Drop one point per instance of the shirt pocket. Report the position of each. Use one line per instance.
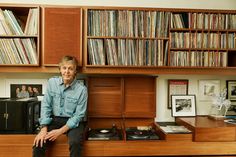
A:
(70, 105)
(56, 100)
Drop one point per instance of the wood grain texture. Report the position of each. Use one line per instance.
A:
(208, 130)
(62, 34)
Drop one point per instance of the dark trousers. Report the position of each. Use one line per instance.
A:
(75, 138)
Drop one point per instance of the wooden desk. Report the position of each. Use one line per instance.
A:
(209, 130)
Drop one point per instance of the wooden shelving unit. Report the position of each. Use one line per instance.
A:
(126, 40)
(156, 40)
(115, 99)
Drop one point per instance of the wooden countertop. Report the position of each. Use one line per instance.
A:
(204, 122)
(208, 130)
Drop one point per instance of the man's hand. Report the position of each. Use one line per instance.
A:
(53, 135)
(40, 138)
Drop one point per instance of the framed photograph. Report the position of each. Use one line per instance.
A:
(183, 105)
(31, 87)
(25, 90)
(231, 90)
(207, 89)
(176, 87)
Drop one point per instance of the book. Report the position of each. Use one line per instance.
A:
(175, 129)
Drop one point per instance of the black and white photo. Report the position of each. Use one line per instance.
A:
(183, 105)
(231, 90)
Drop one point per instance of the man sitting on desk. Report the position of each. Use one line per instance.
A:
(62, 110)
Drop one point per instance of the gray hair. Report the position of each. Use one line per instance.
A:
(70, 59)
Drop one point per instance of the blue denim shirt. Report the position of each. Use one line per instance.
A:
(64, 101)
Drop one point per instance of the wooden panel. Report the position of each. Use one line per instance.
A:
(206, 129)
(158, 148)
(105, 122)
(22, 146)
(58, 150)
(215, 134)
(178, 137)
(139, 97)
(61, 34)
(153, 70)
(105, 97)
(133, 122)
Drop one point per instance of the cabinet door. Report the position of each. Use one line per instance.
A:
(62, 32)
(139, 97)
(2, 116)
(16, 116)
(105, 97)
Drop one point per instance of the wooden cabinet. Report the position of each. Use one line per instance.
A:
(62, 34)
(123, 101)
(12, 117)
(19, 35)
(117, 97)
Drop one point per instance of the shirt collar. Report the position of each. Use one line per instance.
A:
(62, 83)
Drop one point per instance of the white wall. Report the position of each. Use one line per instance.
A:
(21, 78)
(163, 114)
(203, 107)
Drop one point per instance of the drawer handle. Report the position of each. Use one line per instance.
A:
(5, 115)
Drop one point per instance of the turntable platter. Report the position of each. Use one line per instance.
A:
(103, 133)
(133, 133)
(138, 134)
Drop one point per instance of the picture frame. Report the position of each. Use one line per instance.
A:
(183, 105)
(12, 84)
(31, 90)
(176, 87)
(231, 90)
(208, 89)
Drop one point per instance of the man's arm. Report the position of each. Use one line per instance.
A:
(46, 108)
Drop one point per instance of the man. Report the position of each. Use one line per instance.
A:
(23, 93)
(62, 110)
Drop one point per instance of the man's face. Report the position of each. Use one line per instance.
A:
(68, 72)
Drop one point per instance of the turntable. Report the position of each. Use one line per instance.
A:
(134, 133)
(104, 134)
